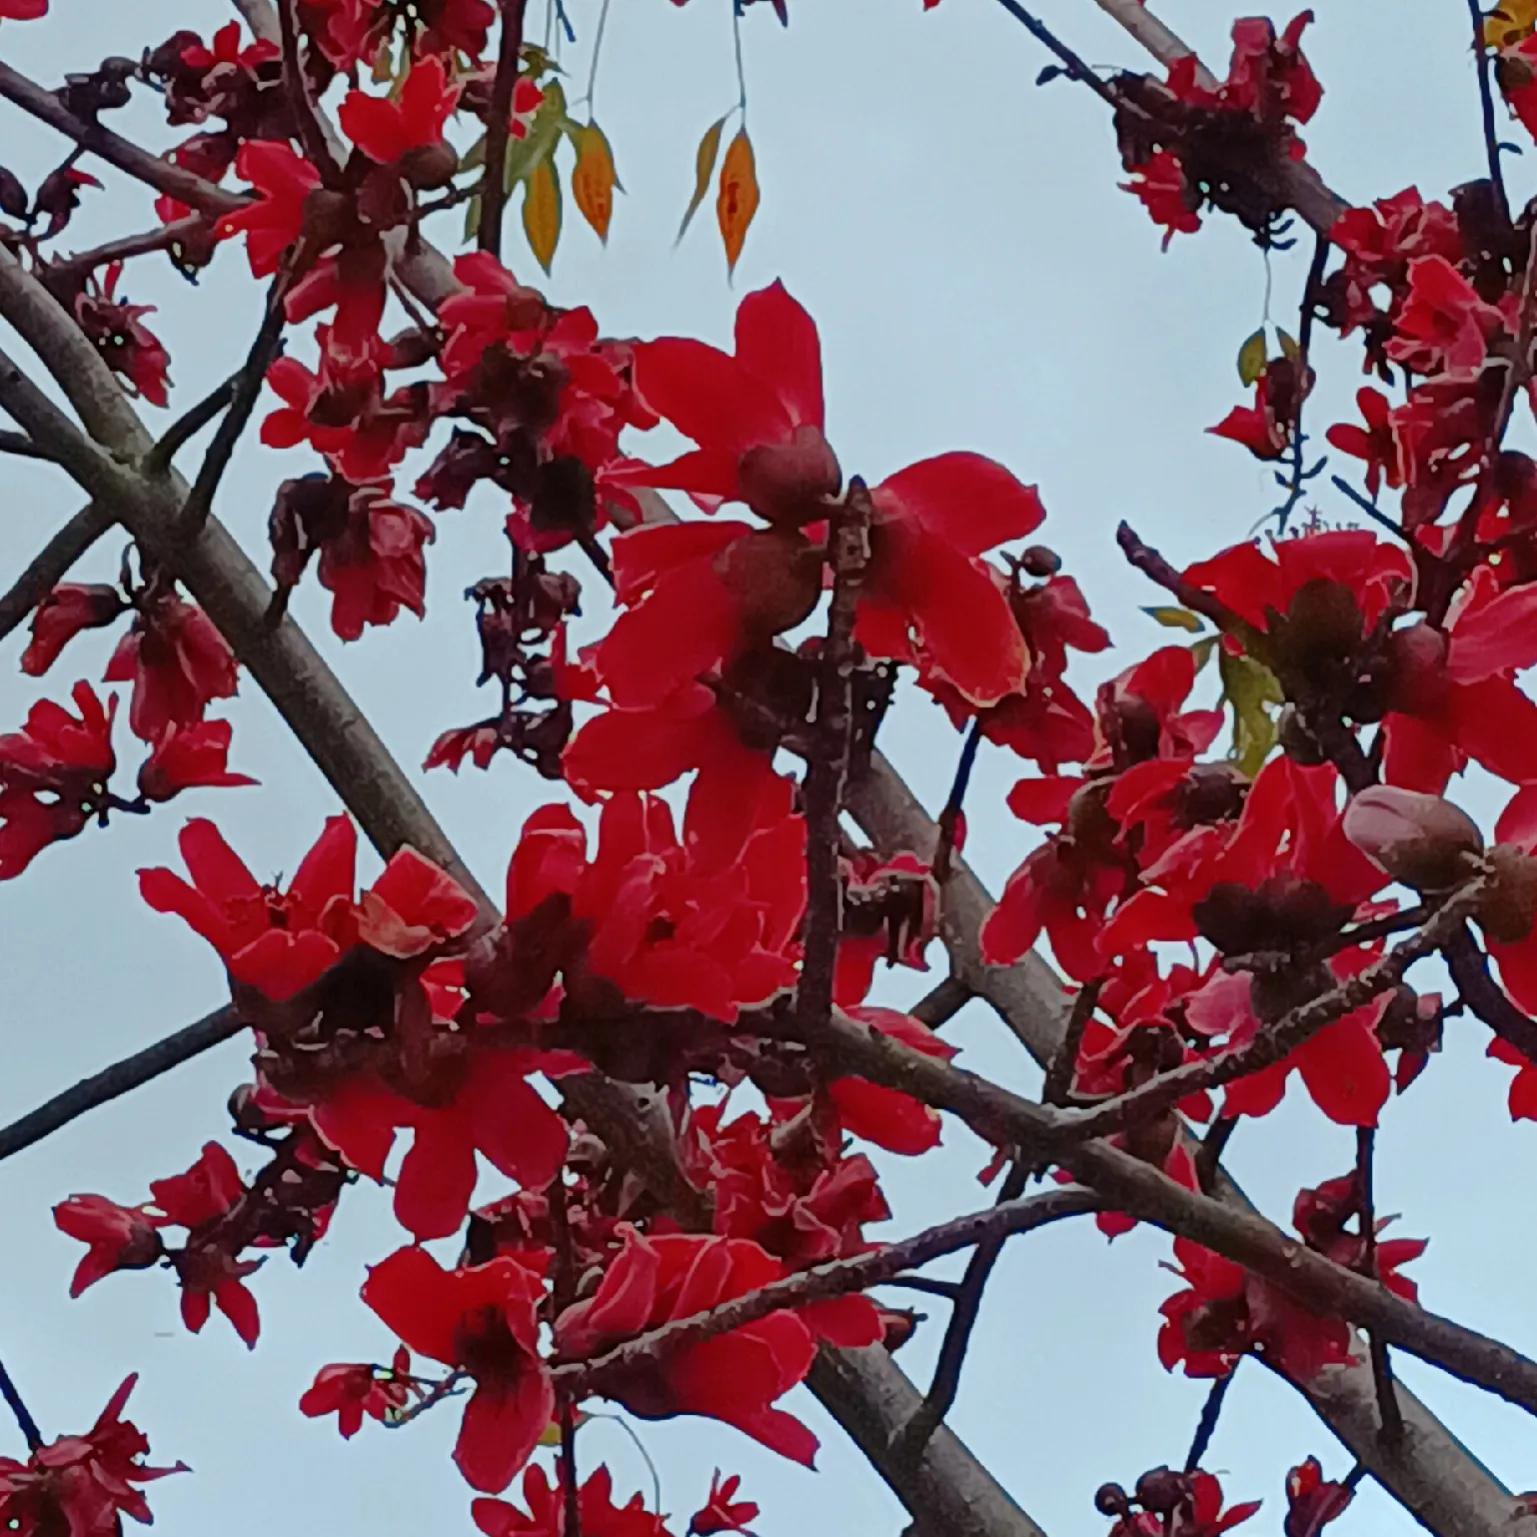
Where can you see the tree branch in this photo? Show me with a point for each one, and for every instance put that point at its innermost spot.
(51, 565)
(23, 1416)
(116, 150)
(113, 1082)
(1277, 1041)
(493, 192)
(837, 1278)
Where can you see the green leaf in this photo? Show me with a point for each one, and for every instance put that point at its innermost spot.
(1202, 649)
(1172, 617)
(1252, 357)
(1252, 690)
(704, 170)
(525, 155)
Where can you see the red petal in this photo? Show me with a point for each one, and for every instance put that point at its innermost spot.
(777, 340)
(971, 502)
(709, 396)
(502, 1425)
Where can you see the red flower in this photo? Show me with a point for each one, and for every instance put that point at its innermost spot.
(370, 549)
(483, 1320)
(1312, 1501)
(734, 1376)
(117, 1237)
(67, 610)
(189, 758)
(546, 1500)
(178, 663)
(493, 1110)
(887, 1117)
(1181, 1505)
(276, 942)
(127, 345)
(209, 1272)
(283, 180)
(352, 1391)
(1442, 326)
(344, 414)
(387, 130)
(355, 30)
(1227, 1310)
(723, 1512)
(1376, 443)
(1159, 181)
(1266, 427)
(53, 776)
(82, 1485)
(23, 10)
(757, 418)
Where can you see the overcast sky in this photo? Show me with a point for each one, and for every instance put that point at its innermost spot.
(980, 283)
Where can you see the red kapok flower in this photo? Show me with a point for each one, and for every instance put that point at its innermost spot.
(117, 1237)
(81, 1485)
(276, 942)
(388, 129)
(723, 1512)
(546, 1516)
(178, 663)
(67, 610)
(353, 1390)
(53, 775)
(481, 1319)
(283, 179)
(190, 758)
(1312, 1501)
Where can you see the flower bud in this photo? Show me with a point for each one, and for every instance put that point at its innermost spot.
(1041, 561)
(1162, 1490)
(1110, 1500)
(775, 575)
(1421, 840)
(787, 482)
(1509, 906)
(426, 166)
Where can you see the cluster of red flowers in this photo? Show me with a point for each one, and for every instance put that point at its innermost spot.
(655, 949)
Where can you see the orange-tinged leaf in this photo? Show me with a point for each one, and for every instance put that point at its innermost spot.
(593, 180)
(704, 169)
(737, 201)
(541, 211)
(1511, 22)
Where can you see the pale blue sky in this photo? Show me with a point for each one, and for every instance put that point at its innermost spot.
(980, 283)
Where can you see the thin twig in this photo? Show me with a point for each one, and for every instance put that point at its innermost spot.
(51, 565)
(187, 426)
(955, 803)
(1277, 1041)
(1300, 476)
(493, 194)
(1391, 1415)
(111, 1082)
(164, 237)
(1469, 968)
(1486, 105)
(1152, 565)
(27, 1425)
(1206, 1425)
(1073, 66)
(1369, 508)
(246, 391)
(837, 1278)
(160, 174)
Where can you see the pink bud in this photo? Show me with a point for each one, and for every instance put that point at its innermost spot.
(1419, 839)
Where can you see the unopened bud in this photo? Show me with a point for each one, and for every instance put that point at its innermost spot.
(429, 165)
(775, 575)
(1110, 1500)
(1509, 906)
(787, 482)
(1421, 840)
(1162, 1491)
(1040, 561)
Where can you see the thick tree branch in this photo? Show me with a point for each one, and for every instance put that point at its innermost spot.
(1431, 1473)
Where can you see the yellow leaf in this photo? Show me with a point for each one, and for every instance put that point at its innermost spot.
(593, 179)
(1252, 357)
(704, 169)
(737, 200)
(541, 211)
(1252, 690)
(1509, 23)
(1176, 618)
